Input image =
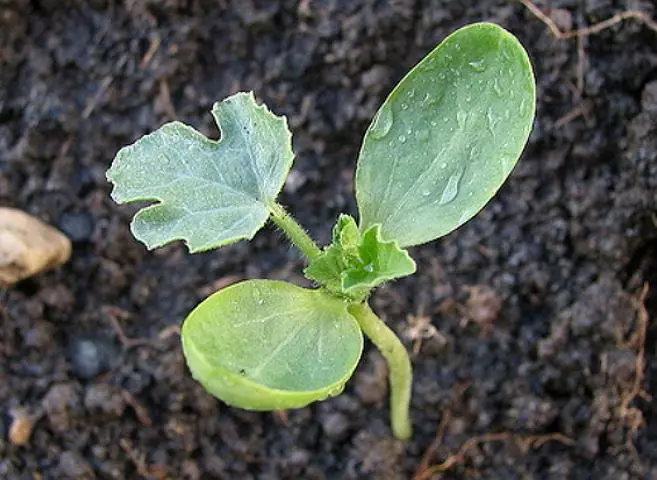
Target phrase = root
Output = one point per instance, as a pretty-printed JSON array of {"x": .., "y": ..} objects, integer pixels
[
  {"x": 638, "y": 15},
  {"x": 633, "y": 415},
  {"x": 524, "y": 442}
]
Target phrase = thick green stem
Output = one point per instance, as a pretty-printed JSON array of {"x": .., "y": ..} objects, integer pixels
[
  {"x": 399, "y": 367},
  {"x": 295, "y": 233}
]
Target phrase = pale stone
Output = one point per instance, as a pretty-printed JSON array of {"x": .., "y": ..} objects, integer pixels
[{"x": 28, "y": 246}]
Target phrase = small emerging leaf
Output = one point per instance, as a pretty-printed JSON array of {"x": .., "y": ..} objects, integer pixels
[
  {"x": 447, "y": 137},
  {"x": 266, "y": 345},
  {"x": 352, "y": 265},
  {"x": 209, "y": 193},
  {"x": 381, "y": 261}
]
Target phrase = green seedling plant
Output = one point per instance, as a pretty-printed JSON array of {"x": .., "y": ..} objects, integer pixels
[{"x": 438, "y": 149}]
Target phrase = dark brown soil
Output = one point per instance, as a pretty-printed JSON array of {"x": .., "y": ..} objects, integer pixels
[{"x": 534, "y": 301}]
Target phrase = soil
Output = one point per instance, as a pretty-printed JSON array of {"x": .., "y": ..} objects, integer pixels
[{"x": 537, "y": 338}]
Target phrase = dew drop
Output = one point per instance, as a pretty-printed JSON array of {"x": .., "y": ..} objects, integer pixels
[
  {"x": 334, "y": 392},
  {"x": 461, "y": 118},
  {"x": 497, "y": 88},
  {"x": 404, "y": 106},
  {"x": 402, "y": 138},
  {"x": 382, "y": 123},
  {"x": 368, "y": 268},
  {"x": 426, "y": 193},
  {"x": 478, "y": 65},
  {"x": 411, "y": 93},
  {"x": 452, "y": 188},
  {"x": 507, "y": 163},
  {"x": 433, "y": 123},
  {"x": 490, "y": 117},
  {"x": 443, "y": 165},
  {"x": 423, "y": 135}
]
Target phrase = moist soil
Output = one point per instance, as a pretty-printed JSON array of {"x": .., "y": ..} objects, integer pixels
[{"x": 532, "y": 348}]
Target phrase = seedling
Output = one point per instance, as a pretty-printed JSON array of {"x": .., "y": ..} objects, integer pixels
[{"x": 438, "y": 149}]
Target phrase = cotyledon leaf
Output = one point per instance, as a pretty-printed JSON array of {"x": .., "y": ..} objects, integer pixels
[
  {"x": 209, "y": 193},
  {"x": 265, "y": 345},
  {"x": 447, "y": 137}
]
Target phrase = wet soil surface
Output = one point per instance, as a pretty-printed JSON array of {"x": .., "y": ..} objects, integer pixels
[{"x": 536, "y": 339}]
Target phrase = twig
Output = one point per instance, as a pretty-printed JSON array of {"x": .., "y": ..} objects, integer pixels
[
  {"x": 113, "y": 314},
  {"x": 525, "y": 443},
  {"x": 637, "y": 15},
  {"x": 156, "y": 472},
  {"x": 634, "y": 415},
  {"x": 582, "y": 109},
  {"x": 102, "y": 88},
  {"x": 140, "y": 411},
  {"x": 156, "y": 40},
  {"x": 165, "y": 97},
  {"x": 433, "y": 448}
]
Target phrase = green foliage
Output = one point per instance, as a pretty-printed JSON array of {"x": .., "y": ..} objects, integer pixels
[
  {"x": 209, "y": 193},
  {"x": 353, "y": 264},
  {"x": 438, "y": 149},
  {"x": 447, "y": 137},
  {"x": 266, "y": 345}
]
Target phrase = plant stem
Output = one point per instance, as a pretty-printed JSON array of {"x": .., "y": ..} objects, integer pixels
[
  {"x": 399, "y": 366},
  {"x": 295, "y": 233}
]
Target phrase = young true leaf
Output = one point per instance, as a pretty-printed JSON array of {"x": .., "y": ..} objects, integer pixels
[
  {"x": 265, "y": 345},
  {"x": 209, "y": 193},
  {"x": 352, "y": 265},
  {"x": 380, "y": 261},
  {"x": 447, "y": 136}
]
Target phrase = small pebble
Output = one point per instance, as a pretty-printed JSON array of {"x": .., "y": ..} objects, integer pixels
[
  {"x": 78, "y": 226},
  {"x": 59, "y": 402},
  {"x": 20, "y": 429},
  {"x": 105, "y": 398},
  {"x": 28, "y": 246},
  {"x": 335, "y": 426},
  {"x": 73, "y": 465},
  {"x": 92, "y": 355},
  {"x": 649, "y": 97}
]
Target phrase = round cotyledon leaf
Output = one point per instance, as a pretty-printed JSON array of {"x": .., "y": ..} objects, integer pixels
[
  {"x": 447, "y": 137},
  {"x": 266, "y": 345}
]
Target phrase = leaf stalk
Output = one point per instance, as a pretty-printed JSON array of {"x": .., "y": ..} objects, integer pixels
[
  {"x": 399, "y": 366},
  {"x": 294, "y": 232}
]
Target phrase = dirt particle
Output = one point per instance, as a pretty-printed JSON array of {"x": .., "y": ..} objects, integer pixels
[
  {"x": 104, "y": 398},
  {"x": 335, "y": 426},
  {"x": 73, "y": 465},
  {"x": 59, "y": 403},
  {"x": 20, "y": 428}
]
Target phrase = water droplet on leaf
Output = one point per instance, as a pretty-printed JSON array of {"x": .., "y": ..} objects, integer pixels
[
  {"x": 368, "y": 268},
  {"x": 382, "y": 123},
  {"x": 452, "y": 188},
  {"x": 423, "y": 134},
  {"x": 478, "y": 65},
  {"x": 497, "y": 88},
  {"x": 402, "y": 138},
  {"x": 461, "y": 118}
]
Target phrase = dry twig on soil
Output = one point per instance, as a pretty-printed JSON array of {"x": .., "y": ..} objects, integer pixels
[
  {"x": 633, "y": 415},
  {"x": 637, "y": 15},
  {"x": 524, "y": 442},
  {"x": 580, "y": 34}
]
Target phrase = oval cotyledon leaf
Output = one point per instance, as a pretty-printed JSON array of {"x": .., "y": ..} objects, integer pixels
[
  {"x": 209, "y": 193},
  {"x": 266, "y": 345},
  {"x": 447, "y": 136}
]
